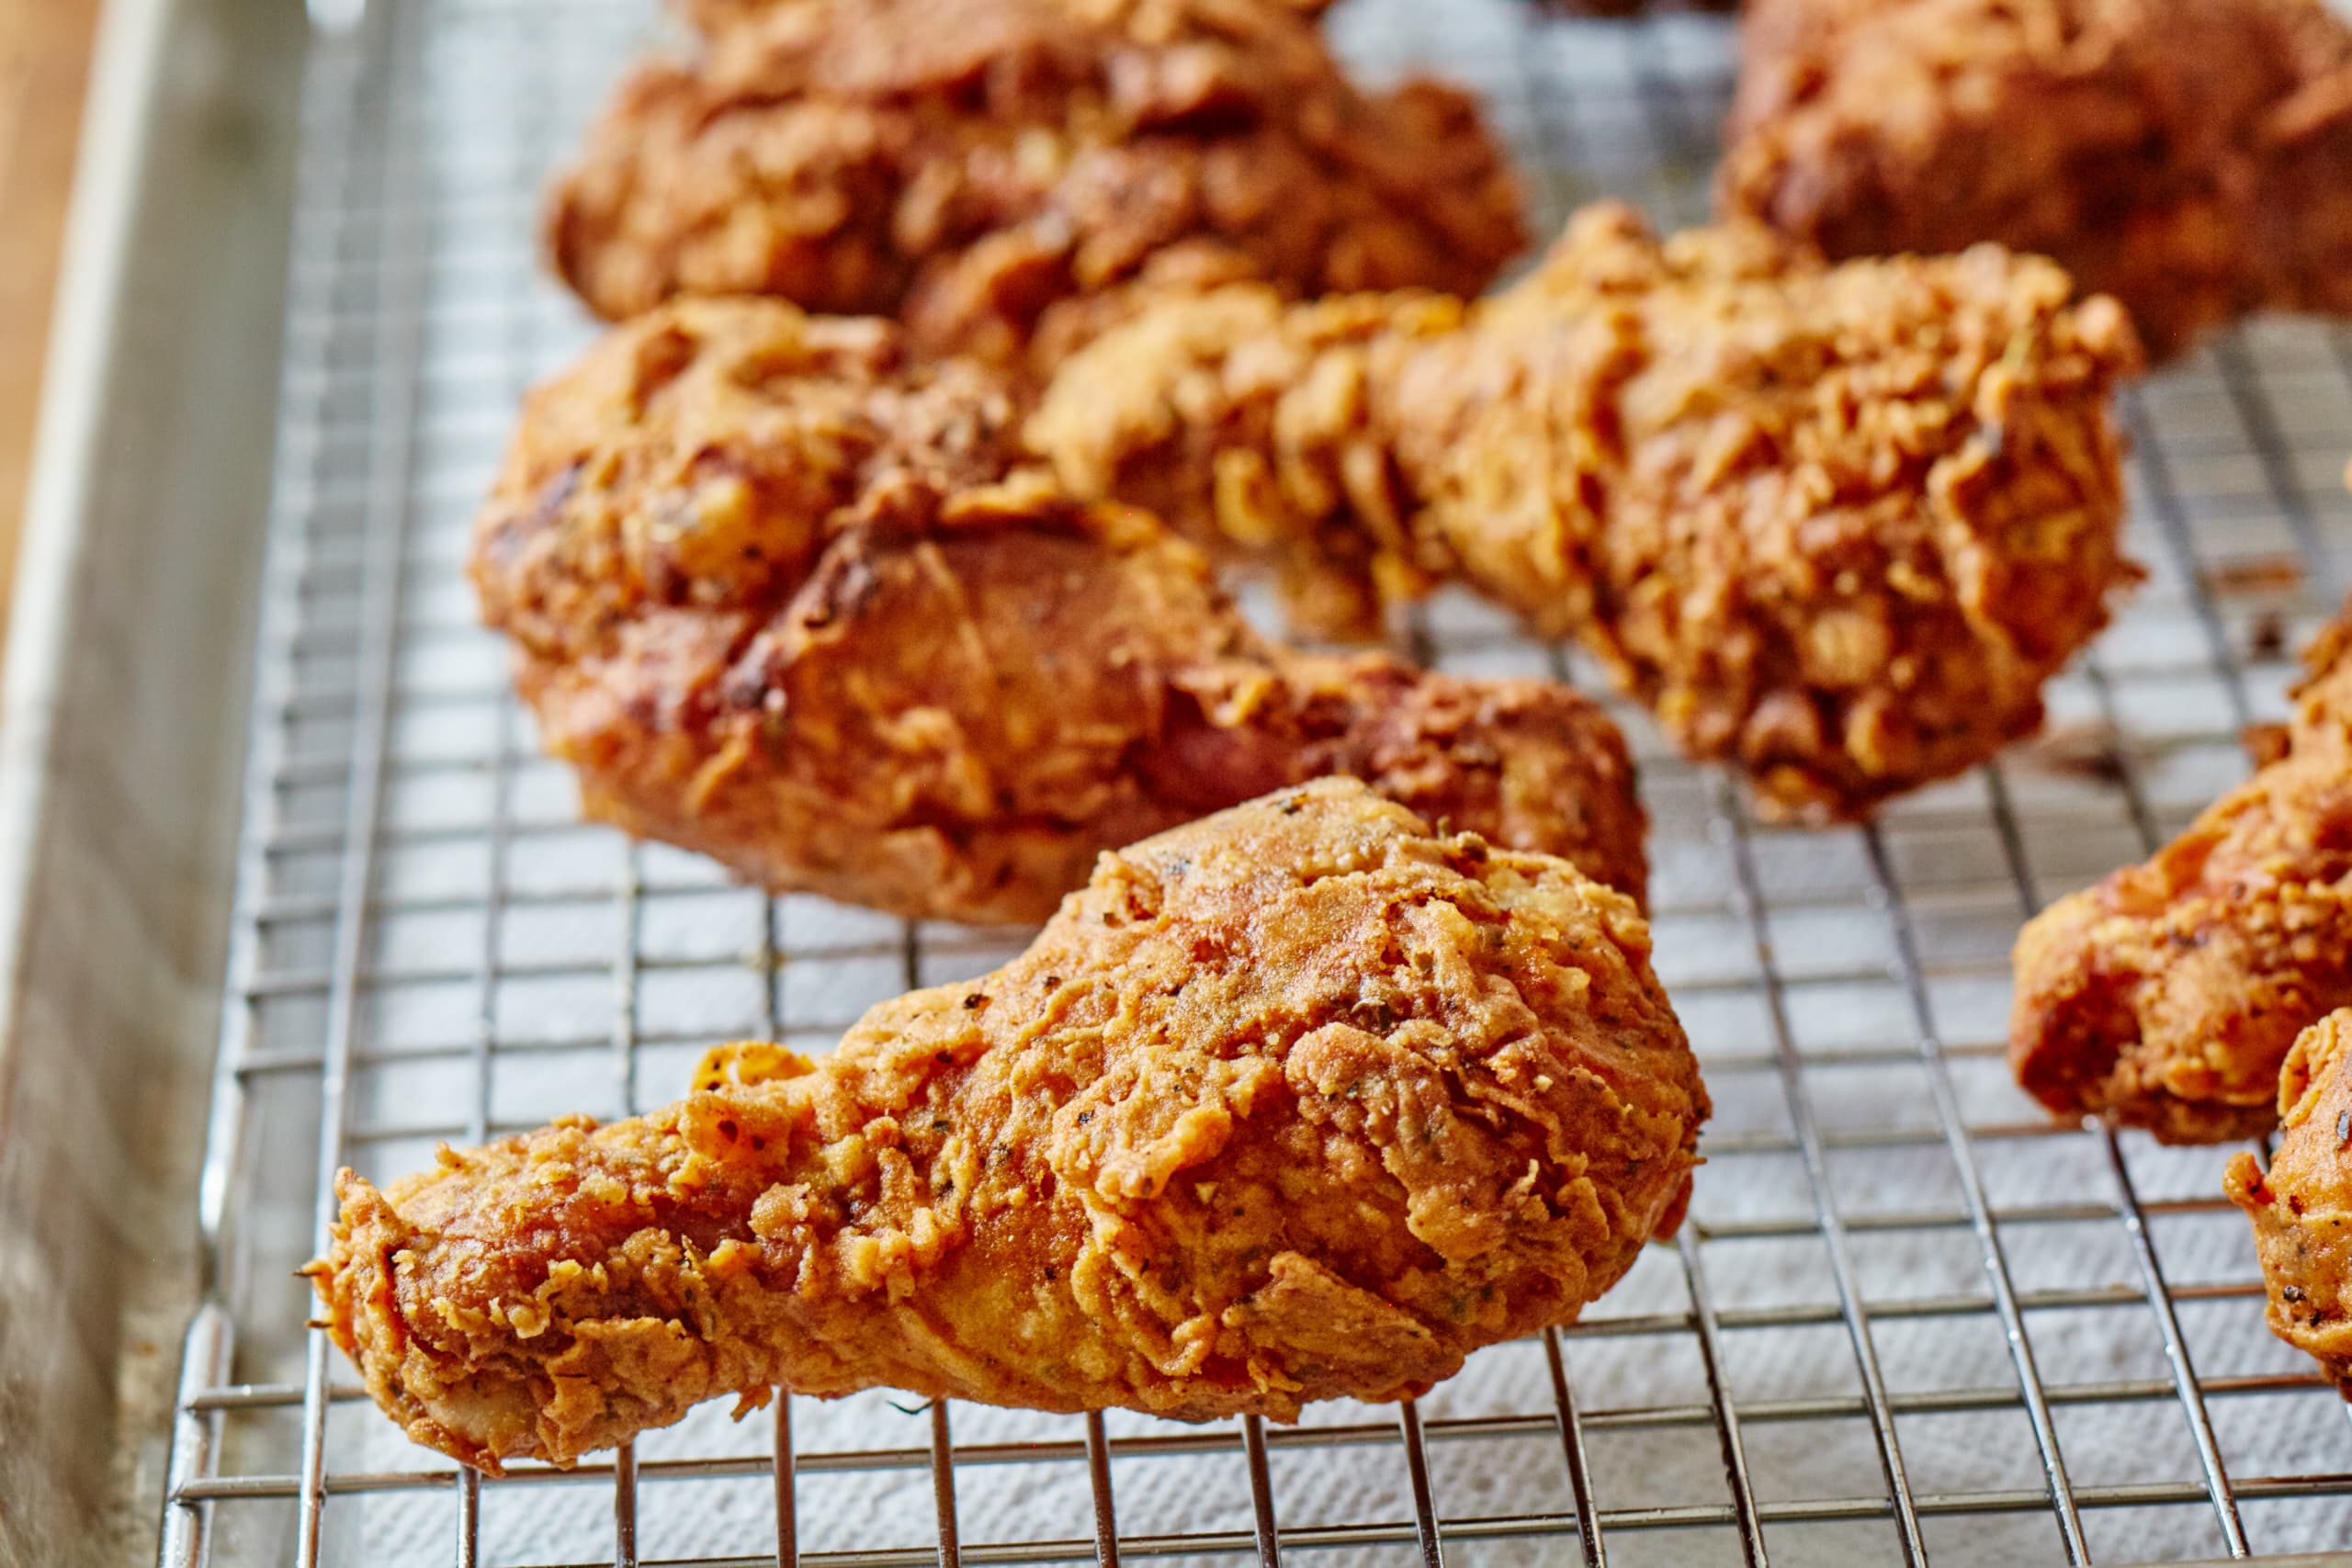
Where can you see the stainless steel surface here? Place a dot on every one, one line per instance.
(1909, 1319)
(119, 751)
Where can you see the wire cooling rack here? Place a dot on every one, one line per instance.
(1909, 1319)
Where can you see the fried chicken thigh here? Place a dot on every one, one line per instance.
(781, 596)
(2193, 158)
(2302, 1210)
(1835, 524)
(995, 172)
(1300, 1101)
(2166, 997)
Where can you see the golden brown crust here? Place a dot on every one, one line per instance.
(2193, 158)
(2302, 1210)
(770, 598)
(2166, 997)
(1835, 524)
(969, 166)
(1293, 1104)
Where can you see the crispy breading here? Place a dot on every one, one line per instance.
(1297, 1102)
(779, 595)
(990, 169)
(1835, 524)
(2302, 1210)
(2167, 996)
(2193, 158)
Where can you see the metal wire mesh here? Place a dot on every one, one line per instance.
(1909, 1319)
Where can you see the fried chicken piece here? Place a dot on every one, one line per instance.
(2302, 1210)
(2193, 158)
(992, 170)
(1297, 1102)
(1835, 524)
(2166, 997)
(771, 601)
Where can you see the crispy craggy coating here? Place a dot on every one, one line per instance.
(991, 171)
(770, 598)
(2167, 996)
(2302, 1210)
(1296, 1103)
(2193, 158)
(1835, 524)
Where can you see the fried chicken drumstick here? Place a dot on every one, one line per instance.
(774, 596)
(1835, 524)
(2193, 158)
(2302, 1210)
(1296, 1102)
(2166, 997)
(988, 169)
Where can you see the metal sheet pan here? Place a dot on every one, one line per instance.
(121, 750)
(1908, 1317)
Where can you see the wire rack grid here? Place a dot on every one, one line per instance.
(1910, 1320)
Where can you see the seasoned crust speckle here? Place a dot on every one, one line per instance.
(1297, 1102)
(1835, 524)
(992, 170)
(781, 595)
(2193, 158)
(2167, 996)
(2302, 1210)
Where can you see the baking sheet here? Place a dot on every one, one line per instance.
(427, 946)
